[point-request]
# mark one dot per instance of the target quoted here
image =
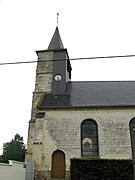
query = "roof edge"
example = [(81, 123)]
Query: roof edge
[(88, 107)]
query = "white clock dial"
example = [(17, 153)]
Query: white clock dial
[(58, 77)]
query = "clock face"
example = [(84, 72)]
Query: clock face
[(58, 77)]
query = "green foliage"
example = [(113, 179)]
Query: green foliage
[(101, 169), (14, 150)]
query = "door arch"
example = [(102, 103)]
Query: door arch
[(58, 164)]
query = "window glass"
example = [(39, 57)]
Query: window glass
[(89, 138)]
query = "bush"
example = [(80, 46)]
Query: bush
[(101, 169)]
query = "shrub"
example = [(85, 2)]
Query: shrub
[(101, 169)]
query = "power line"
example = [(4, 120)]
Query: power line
[(19, 62), (72, 59)]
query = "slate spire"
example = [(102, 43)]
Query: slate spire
[(56, 42)]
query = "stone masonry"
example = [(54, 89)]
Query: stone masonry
[(42, 85), (113, 134)]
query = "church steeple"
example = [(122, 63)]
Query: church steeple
[(56, 42), (61, 65), (54, 68)]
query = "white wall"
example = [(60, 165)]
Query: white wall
[(13, 171)]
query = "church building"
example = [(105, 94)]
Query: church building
[(76, 118)]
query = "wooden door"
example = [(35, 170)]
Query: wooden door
[(58, 164)]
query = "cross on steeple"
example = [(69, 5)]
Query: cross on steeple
[(57, 19)]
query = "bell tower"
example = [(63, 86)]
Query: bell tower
[(61, 65), (53, 68), (52, 74)]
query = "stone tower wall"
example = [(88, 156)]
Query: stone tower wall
[(43, 84)]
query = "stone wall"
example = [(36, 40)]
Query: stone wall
[(43, 85), (62, 131)]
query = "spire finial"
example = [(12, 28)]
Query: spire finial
[(57, 19)]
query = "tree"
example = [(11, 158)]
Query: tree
[(14, 150)]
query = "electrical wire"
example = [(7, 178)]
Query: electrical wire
[(72, 59)]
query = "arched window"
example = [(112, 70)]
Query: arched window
[(89, 138), (132, 133)]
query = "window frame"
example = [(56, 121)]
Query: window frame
[(132, 135)]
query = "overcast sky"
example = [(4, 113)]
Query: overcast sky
[(88, 28)]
